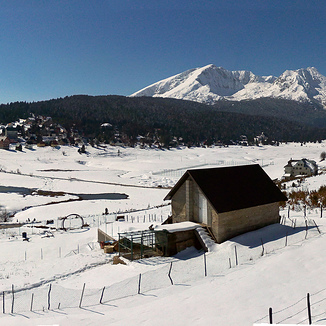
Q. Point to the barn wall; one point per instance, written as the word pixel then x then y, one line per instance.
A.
pixel 230 224
pixel 189 200
pixel 195 200
pixel 185 204
pixel 179 206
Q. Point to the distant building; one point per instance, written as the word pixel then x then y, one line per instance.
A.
pixel 303 167
pixel 4 142
pixel 243 140
pixel 229 200
pixel 261 139
pixel 11 132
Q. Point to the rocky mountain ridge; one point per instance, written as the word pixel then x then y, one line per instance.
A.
pixel 211 84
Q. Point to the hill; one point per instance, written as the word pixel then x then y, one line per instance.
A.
pixel 301 112
pixel 168 122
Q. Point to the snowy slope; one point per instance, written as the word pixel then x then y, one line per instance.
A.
pixel 240 295
pixel 210 84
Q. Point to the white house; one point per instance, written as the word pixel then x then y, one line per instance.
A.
pixel 303 167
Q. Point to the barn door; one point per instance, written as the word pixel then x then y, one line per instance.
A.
pixel 202 205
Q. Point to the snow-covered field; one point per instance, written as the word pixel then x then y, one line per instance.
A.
pixel 278 274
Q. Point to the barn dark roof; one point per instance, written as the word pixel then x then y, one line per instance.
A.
pixel 233 188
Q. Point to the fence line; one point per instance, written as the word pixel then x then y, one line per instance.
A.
pixel 92 220
pixel 301 313
pixel 173 271
pixel 261 245
pixel 174 173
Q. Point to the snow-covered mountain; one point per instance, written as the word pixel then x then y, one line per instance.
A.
pixel 210 84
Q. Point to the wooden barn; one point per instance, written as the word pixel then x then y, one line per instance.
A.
pixel 228 200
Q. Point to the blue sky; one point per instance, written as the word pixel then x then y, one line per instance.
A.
pixel 57 48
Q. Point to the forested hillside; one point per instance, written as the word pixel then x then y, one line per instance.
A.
pixel 167 121
pixel 303 112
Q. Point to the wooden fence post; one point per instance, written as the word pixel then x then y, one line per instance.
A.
pixel 13 299
pixel 102 295
pixel 32 299
pixel 169 274
pixel 309 309
pixel 3 302
pixel 49 298
pixel 236 255
pixel 205 264
pixel 316 226
pixel 262 245
pixel 139 282
pixel 81 297
pixel 270 313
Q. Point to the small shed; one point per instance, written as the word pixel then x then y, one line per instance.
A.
pixel 228 200
pixel 163 240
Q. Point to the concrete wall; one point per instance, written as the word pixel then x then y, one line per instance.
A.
pixel 230 224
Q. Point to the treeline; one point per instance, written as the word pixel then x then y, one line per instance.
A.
pixel 157 119
pixel 307 113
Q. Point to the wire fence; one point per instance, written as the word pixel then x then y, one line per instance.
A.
pixel 306 310
pixel 177 173
pixel 168 271
pixel 45 227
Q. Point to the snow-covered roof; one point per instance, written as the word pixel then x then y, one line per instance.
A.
pixel 177 227
pixel 106 124
pixel 310 164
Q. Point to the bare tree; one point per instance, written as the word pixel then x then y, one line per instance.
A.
pixel 4 215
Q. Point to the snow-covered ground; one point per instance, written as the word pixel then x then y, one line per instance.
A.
pixel 274 267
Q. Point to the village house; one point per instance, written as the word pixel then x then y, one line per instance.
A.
pixel 11 132
pixel 261 139
pixel 229 201
pixel 302 167
pixel 4 142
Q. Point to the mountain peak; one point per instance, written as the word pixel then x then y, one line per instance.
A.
pixel 210 84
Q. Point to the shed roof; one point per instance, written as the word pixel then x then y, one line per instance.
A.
pixel 233 188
